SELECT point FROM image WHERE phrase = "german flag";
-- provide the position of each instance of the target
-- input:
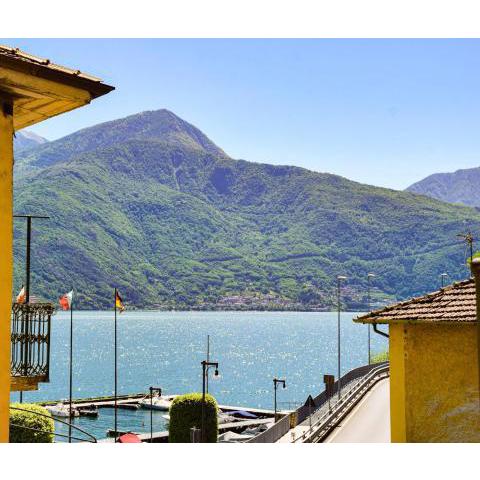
(119, 302)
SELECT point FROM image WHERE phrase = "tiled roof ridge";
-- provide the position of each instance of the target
(420, 299)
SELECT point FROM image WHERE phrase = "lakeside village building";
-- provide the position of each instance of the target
(435, 363)
(32, 89)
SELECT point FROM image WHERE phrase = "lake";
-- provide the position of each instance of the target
(165, 349)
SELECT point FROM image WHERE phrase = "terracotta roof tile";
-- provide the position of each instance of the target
(455, 303)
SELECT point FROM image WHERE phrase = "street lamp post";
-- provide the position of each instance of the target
(276, 382)
(205, 366)
(339, 280)
(27, 282)
(443, 276)
(152, 390)
(369, 277)
(208, 359)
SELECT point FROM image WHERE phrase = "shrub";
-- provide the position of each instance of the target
(186, 412)
(380, 357)
(27, 418)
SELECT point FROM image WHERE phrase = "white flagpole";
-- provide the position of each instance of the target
(71, 370)
(115, 369)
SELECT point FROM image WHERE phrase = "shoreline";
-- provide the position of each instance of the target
(253, 310)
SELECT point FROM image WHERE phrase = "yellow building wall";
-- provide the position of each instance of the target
(6, 239)
(441, 393)
(397, 383)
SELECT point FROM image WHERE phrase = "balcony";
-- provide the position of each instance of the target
(30, 345)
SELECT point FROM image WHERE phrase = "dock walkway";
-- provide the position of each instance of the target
(132, 399)
(162, 437)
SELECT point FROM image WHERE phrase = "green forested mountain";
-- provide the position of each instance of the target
(149, 204)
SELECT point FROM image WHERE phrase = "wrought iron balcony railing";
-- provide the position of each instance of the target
(30, 345)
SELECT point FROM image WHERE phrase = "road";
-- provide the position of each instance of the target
(369, 421)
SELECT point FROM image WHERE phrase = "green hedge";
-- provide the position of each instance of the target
(380, 357)
(186, 412)
(31, 420)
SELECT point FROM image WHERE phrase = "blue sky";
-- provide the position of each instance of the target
(383, 112)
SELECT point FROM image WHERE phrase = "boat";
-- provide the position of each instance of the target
(233, 437)
(224, 418)
(88, 411)
(128, 406)
(243, 414)
(156, 403)
(62, 410)
(119, 433)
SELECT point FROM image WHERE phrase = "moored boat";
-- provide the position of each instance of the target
(62, 410)
(156, 403)
(88, 411)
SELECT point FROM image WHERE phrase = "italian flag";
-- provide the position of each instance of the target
(66, 300)
(21, 295)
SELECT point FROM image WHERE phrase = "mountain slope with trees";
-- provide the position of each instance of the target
(150, 205)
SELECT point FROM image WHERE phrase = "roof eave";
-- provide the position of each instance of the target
(384, 321)
(96, 88)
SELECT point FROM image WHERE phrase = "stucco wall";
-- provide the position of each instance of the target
(6, 238)
(397, 383)
(441, 383)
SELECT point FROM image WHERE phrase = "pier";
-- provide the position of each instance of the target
(127, 401)
(132, 401)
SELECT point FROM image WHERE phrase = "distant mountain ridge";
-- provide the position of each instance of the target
(150, 126)
(461, 186)
(150, 205)
(25, 139)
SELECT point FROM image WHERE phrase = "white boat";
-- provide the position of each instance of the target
(62, 410)
(155, 403)
(232, 437)
(224, 418)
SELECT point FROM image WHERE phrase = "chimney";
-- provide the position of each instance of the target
(475, 267)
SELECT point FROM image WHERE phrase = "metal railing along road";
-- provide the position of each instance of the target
(356, 374)
(350, 383)
(323, 425)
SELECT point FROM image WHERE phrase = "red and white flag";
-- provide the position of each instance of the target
(66, 301)
(21, 295)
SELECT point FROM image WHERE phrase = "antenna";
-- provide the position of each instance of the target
(468, 239)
